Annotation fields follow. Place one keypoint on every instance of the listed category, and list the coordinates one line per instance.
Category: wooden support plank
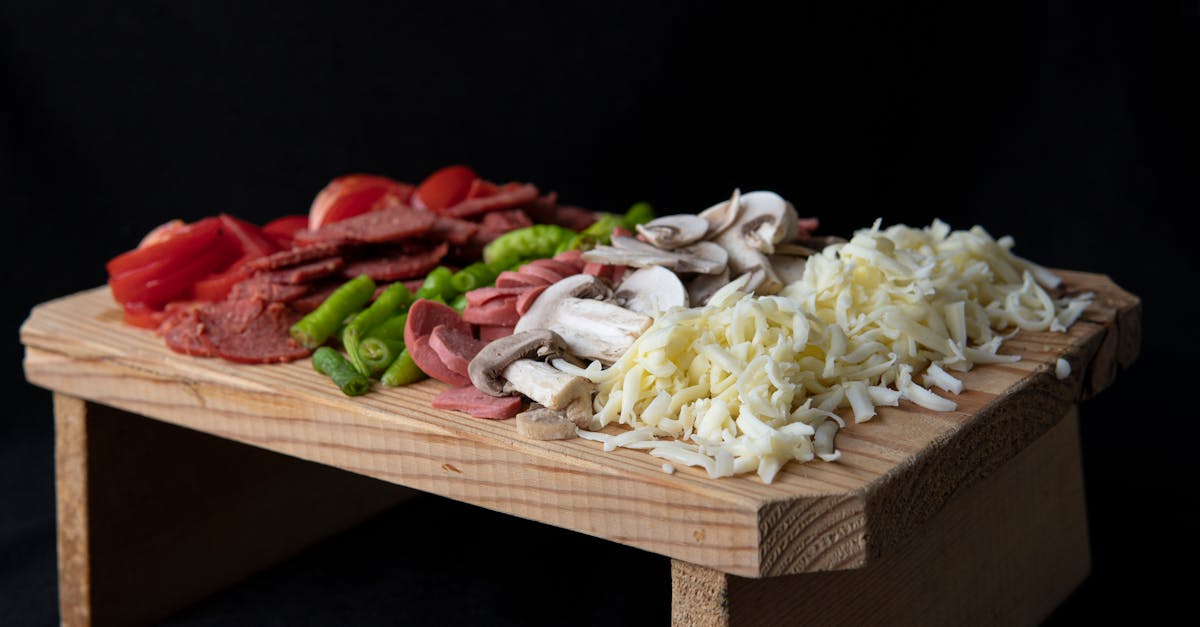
(152, 517)
(1004, 551)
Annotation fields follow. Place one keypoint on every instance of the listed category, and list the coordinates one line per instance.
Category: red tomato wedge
(348, 196)
(482, 189)
(216, 287)
(283, 230)
(248, 237)
(169, 279)
(445, 188)
(182, 244)
(139, 315)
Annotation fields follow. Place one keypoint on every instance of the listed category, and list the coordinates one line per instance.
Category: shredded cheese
(746, 383)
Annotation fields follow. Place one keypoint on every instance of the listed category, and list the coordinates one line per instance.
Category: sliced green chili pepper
(639, 213)
(437, 284)
(312, 330)
(474, 276)
(378, 353)
(402, 371)
(330, 363)
(532, 242)
(395, 297)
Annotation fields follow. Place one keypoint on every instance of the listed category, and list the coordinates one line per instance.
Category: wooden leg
(152, 517)
(1005, 551)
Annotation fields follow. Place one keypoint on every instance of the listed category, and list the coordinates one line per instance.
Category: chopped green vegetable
(394, 298)
(402, 371)
(474, 276)
(459, 303)
(383, 343)
(377, 353)
(312, 330)
(438, 285)
(639, 213)
(330, 363)
(531, 242)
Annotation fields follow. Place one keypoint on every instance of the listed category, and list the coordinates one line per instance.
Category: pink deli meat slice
(472, 401)
(498, 311)
(456, 349)
(427, 359)
(426, 315)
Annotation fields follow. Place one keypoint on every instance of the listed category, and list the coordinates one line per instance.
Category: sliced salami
(399, 267)
(258, 338)
(385, 225)
(307, 273)
(506, 198)
(261, 286)
(452, 230)
(295, 256)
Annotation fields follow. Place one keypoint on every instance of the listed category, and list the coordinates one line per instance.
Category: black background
(1071, 126)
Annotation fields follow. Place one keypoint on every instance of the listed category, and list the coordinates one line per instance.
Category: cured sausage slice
(400, 267)
(385, 225)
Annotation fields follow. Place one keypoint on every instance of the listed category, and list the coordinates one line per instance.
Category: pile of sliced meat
(442, 343)
(395, 243)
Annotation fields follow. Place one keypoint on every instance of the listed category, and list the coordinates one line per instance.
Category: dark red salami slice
(399, 267)
(503, 199)
(261, 286)
(385, 225)
(295, 256)
(249, 332)
(308, 272)
(472, 401)
(505, 221)
(456, 349)
(187, 335)
(452, 230)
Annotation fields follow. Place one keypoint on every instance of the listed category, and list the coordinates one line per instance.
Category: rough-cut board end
(807, 535)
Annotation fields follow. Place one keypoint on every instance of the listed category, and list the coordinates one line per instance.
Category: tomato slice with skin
(139, 315)
(215, 288)
(445, 188)
(246, 236)
(355, 194)
(168, 279)
(194, 238)
(481, 188)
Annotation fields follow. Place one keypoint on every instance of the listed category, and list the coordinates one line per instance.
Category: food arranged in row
(735, 339)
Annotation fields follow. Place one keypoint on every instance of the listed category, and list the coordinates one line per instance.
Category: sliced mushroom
(508, 365)
(651, 291)
(671, 232)
(543, 423)
(702, 257)
(795, 250)
(789, 268)
(765, 220)
(590, 328)
(723, 214)
(701, 287)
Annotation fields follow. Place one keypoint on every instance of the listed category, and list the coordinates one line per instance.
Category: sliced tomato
(179, 246)
(445, 188)
(163, 232)
(215, 287)
(354, 194)
(246, 236)
(165, 280)
(283, 230)
(139, 315)
(482, 189)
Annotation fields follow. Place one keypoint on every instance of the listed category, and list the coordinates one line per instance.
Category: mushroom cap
(723, 214)
(766, 220)
(486, 368)
(702, 257)
(673, 231)
(650, 291)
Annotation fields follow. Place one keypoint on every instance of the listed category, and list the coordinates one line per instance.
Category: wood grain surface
(896, 471)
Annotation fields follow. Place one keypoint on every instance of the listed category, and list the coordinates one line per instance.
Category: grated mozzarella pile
(747, 383)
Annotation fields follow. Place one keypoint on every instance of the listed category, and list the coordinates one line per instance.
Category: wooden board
(896, 471)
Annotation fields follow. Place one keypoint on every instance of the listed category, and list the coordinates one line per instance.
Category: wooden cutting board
(896, 471)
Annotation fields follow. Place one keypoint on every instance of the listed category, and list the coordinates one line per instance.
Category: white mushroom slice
(766, 220)
(590, 328)
(546, 384)
(703, 286)
(723, 214)
(702, 257)
(543, 423)
(789, 269)
(674, 231)
(795, 250)
(651, 291)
